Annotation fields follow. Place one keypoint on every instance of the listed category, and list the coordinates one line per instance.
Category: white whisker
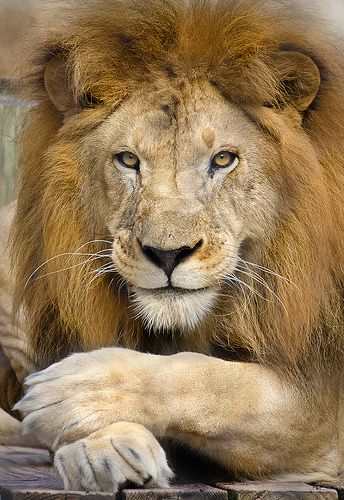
(70, 254)
(233, 278)
(91, 259)
(267, 271)
(260, 280)
(107, 268)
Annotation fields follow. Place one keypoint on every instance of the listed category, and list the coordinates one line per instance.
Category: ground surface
(27, 473)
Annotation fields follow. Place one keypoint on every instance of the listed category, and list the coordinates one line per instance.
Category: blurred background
(16, 18)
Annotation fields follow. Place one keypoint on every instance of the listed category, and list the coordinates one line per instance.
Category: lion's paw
(84, 392)
(108, 458)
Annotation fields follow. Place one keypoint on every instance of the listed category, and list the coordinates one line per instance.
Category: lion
(178, 240)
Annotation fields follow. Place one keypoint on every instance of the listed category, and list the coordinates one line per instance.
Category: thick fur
(231, 51)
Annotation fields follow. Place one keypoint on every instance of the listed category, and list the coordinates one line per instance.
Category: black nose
(168, 260)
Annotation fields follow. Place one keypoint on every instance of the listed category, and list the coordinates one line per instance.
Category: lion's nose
(168, 260)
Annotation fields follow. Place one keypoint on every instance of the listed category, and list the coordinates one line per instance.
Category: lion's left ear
(300, 78)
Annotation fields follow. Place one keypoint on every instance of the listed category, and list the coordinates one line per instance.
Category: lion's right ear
(58, 86)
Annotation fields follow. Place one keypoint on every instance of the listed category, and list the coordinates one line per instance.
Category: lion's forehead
(171, 123)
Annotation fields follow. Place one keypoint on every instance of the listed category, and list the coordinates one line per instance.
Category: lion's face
(181, 183)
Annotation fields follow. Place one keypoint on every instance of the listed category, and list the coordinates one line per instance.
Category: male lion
(182, 201)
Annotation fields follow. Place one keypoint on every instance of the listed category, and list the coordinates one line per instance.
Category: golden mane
(110, 48)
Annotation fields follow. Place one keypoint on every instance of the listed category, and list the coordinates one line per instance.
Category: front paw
(108, 458)
(86, 392)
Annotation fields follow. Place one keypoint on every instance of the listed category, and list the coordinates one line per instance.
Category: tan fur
(15, 362)
(171, 81)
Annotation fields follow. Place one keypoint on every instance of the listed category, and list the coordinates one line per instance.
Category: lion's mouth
(170, 289)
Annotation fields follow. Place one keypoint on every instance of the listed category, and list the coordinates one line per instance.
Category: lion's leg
(11, 433)
(242, 415)
(15, 362)
(246, 418)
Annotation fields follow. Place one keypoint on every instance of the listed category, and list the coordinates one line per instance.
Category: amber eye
(128, 159)
(224, 159)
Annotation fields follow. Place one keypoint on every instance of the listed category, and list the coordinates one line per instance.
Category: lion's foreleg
(240, 414)
(246, 418)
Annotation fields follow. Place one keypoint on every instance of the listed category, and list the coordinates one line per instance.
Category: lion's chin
(173, 309)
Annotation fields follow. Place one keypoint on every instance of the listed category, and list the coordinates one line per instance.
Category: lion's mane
(110, 48)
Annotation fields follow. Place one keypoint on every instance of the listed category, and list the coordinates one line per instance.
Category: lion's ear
(300, 78)
(57, 85)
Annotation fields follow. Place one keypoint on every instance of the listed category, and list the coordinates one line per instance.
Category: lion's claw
(110, 457)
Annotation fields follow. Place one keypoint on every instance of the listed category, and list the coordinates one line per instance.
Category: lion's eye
(128, 159)
(225, 159)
